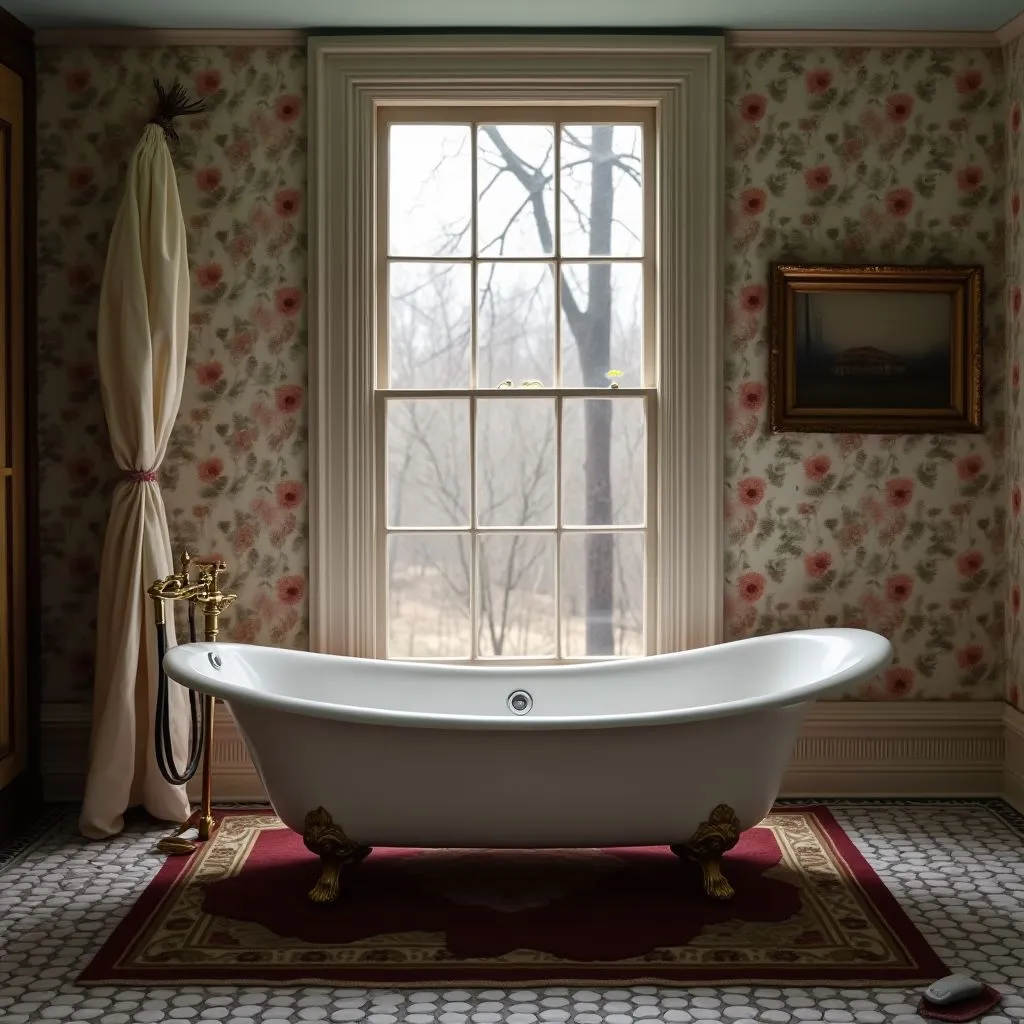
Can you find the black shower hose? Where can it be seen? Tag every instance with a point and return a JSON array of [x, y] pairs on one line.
[[164, 748]]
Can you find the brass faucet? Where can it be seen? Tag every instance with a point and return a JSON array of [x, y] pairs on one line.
[[205, 594]]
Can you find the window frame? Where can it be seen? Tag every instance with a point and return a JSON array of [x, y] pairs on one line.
[[681, 78]]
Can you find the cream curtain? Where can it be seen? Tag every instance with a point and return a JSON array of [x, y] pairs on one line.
[[142, 341]]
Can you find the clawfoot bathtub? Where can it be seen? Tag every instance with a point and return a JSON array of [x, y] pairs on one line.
[[685, 749]]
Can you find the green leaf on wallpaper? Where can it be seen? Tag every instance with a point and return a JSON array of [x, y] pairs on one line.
[[776, 474], [775, 569], [924, 185], [777, 89], [765, 530], [925, 665], [974, 199], [776, 183], [925, 89], [927, 473]]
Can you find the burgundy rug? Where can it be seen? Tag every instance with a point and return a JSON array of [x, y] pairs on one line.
[[808, 910]]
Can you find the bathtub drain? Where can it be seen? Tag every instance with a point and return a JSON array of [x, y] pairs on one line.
[[519, 702]]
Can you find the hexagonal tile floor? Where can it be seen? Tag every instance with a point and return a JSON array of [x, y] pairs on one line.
[[956, 866]]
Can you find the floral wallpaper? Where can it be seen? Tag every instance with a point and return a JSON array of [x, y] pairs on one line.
[[1015, 352], [844, 155], [861, 156], [235, 475]]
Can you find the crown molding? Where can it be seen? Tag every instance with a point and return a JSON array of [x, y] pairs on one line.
[[741, 39], [787, 39], [1011, 30], [171, 37]]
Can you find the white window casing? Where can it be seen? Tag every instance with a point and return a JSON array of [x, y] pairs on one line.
[[350, 78]]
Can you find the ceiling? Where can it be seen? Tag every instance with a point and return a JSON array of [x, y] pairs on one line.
[[935, 15]]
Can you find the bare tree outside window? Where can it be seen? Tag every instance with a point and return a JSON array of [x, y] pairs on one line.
[[538, 286]]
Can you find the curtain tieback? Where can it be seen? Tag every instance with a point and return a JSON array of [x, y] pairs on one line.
[[140, 476]]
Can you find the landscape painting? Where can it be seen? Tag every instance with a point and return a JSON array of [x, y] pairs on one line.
[[885, 350]]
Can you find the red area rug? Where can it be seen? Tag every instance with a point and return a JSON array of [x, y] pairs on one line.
[[808, 910]]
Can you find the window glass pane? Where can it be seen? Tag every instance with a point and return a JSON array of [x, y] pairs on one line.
[[515, 172], [516, 594], [602, 594], [515, 459], [428, 596], [428, 462], [516, 323], [601, 195], [430, 187], [602, 325], [429, 325], [604, 453]]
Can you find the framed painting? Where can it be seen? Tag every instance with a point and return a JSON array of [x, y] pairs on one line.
[[873, 349]]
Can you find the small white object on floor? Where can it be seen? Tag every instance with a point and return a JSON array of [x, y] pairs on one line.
[[954, 988]]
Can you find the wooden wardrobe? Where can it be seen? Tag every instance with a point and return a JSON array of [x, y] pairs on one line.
[[19, 788]]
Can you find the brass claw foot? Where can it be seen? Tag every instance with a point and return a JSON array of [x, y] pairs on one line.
[[712, 839], [335, 851]]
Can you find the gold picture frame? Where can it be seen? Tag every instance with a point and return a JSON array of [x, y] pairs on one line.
[[875, 349]]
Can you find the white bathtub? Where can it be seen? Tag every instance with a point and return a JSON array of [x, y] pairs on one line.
[[615, 753]]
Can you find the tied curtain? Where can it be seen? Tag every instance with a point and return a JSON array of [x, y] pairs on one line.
[[142, 342]]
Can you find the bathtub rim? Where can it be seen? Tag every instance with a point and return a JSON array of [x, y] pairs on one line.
[[877, 653]]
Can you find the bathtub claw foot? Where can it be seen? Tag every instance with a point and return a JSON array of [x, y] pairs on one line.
[[712, 839], [335, 851]]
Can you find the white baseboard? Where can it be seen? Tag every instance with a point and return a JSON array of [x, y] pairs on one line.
[[1013, 763], [920, 748]]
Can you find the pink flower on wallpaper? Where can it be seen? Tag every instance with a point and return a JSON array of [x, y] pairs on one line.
[[899, 492], [1015, 598], [288, 301], [291, 589], [969, 466], [244, 538], [241, 343], [750, 491], [239, 152], [970, 563], [210, 470], [290, 494], [241, 441], [288, 398], [207, 374], [969, 179], [79, 469], [751, 586], [240, 247], [752, 107], [753, 298], [80, 177], [1015, 117], [817, 564], [208, 179], [970, 656], [1015, 299], [207, 82], [288, 108], [287, 202], [850, 535], [899, 106], [899, 202], [970, 81], [818, 80], [752, 395], [1015, 499], [816, 467], [899, 681], [817, 178], [1015, 205], [80, 276], [753, 201], [899, 588], [852, 150], [1015, 376], [78, 79], [209, 275]]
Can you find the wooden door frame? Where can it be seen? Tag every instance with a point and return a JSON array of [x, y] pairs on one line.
[[24, 795]]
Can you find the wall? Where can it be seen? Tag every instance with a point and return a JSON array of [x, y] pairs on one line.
[[857, 156], [1015, 353], [833, 154]]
